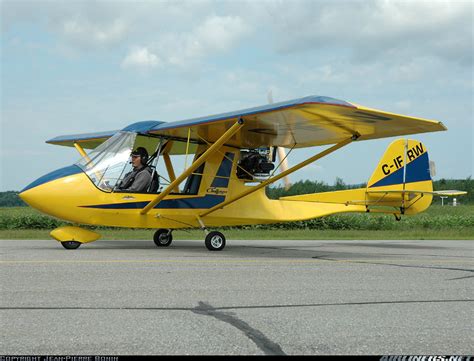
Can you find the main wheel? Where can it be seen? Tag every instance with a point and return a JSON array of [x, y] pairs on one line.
[[71, 244], [215, 241], [163, 237]]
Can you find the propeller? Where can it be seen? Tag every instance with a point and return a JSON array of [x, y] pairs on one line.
[[432, 169], [281, 151]]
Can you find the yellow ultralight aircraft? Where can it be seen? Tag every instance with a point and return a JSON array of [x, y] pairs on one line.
[[234, 160]]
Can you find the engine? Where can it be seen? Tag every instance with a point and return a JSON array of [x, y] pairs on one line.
[[255, 164]]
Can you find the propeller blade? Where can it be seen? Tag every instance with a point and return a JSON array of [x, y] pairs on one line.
[[281, 151], [432, 169], [284, 166], [270, 97]]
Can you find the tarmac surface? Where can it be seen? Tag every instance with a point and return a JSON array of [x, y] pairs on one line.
[[254, 297]]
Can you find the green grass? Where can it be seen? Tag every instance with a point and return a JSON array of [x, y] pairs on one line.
[[436, 217], [436, 223]]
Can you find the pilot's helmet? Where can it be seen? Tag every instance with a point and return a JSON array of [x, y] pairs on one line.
[[142, 153]]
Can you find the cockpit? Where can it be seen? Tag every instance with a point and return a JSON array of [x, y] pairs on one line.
[[108, 164]]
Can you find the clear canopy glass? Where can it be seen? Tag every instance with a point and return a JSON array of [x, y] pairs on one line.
[[105, 164]]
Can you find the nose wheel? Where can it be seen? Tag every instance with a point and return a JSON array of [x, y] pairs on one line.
[[71, 244], [215, 241]]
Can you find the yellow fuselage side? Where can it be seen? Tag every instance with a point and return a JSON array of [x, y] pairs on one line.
[[76, 199]]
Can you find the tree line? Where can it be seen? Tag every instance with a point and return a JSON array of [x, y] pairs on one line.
[[11, 198]]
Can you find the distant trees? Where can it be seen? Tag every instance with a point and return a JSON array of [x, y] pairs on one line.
[[458, 184], [307, 186], [10, 199]]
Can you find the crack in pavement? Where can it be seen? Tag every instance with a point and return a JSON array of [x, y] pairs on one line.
[[460, 278], [263, 342], [361, 303], [395, 264]]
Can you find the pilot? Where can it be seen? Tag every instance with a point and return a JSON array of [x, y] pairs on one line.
[[139, 179]]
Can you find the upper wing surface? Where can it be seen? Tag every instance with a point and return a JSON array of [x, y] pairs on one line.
[[86, 140], [303, 122], [92, 140]]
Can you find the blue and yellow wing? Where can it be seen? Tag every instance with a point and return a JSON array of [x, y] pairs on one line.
[[303, 122]]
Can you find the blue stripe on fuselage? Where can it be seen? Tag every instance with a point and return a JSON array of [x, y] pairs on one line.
[[208, 201]]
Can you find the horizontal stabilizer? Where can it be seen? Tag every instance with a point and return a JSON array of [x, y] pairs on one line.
[[449, 193]]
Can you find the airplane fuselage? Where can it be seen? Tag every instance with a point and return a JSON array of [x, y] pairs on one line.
[[70, 195]]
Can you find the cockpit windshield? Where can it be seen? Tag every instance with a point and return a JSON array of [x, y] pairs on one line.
[[105, 164]]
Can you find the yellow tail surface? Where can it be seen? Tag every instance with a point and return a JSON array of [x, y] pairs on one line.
[[400, 184]]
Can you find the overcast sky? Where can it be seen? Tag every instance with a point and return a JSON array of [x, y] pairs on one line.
[[83, 66]]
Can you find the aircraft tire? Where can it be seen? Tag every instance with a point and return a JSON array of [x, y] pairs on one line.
[[162, 237], [71, 244], [215, 241]]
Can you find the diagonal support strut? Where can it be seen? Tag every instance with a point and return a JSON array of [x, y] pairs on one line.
[[210, 151], [281, 175]]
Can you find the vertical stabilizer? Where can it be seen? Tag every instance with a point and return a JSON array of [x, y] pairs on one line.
[[404, 166], [405, 161]]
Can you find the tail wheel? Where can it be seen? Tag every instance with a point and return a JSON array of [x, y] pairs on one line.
[[215, 241], [163, 237], [71, 244]]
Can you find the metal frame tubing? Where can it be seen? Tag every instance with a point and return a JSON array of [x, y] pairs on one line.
[[210, 151], [281, 175]]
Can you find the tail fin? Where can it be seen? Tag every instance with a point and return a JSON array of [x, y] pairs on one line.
[[405, 161], [400, 184], [403, 176]]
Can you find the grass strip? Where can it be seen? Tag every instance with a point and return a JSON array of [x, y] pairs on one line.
[[252, 234]]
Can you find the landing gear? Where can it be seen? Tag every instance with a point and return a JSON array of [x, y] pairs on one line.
[[163, 237], [215, 241], [71, 244]]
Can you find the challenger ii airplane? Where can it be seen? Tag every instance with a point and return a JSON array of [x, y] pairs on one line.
[[234, 157]]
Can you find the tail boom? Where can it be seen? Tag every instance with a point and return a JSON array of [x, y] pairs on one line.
[[400, 184]]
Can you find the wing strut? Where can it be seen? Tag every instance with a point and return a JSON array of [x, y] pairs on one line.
[[169, 168], [84, 155], [81, 151], [211, 150], [282, 174]]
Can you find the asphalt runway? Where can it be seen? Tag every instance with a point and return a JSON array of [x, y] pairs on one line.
[[254, 297]]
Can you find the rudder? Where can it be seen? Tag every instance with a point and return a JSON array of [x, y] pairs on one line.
[[404, 166]]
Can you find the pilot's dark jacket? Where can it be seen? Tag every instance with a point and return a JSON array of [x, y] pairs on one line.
[[137, 180]]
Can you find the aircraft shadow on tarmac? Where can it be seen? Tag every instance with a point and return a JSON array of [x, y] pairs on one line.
[[274, 249]]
